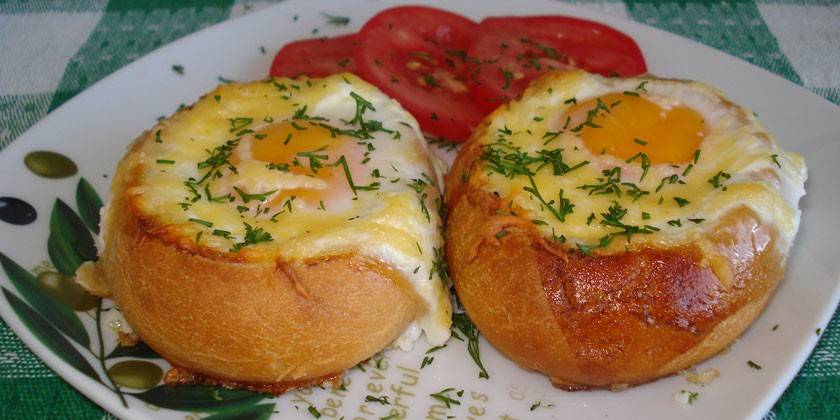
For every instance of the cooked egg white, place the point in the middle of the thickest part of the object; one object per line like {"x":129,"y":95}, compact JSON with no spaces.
{"x":302,"y":169}
{"x":616,"y":164}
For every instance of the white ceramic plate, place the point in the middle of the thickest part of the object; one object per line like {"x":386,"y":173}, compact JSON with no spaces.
{"x":94,"y":128}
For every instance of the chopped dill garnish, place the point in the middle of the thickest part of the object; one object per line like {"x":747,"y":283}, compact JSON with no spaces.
{"x":201,"y":222}
{"x":444,"y":397}
{"x":253,"y":235}
{"x":336,"y":20}
{"x":462,"y":323}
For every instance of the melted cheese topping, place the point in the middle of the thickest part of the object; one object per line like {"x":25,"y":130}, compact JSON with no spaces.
{"x":606,"y":165}
{"x":302,"y":169}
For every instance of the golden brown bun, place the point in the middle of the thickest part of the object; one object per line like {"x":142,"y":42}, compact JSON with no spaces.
{"x":603,"y":320}
{"x":247,"y":322}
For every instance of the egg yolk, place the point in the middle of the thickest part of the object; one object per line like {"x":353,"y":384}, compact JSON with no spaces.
{"x":624,"y":125}
{"x":307,"y":150}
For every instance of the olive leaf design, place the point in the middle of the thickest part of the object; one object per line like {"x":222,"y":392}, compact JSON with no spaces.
{"x":89,"y":204}
{"x":200,"y":398}
{"x":70,"y":244}
{"x":47,"y":308}
{"x":49,"y":336}
{"x":255,"y":412}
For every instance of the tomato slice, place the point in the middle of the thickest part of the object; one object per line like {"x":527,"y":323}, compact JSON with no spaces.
{"x":417,"y":55}
{"x":318,"y":57}
{"x":512,"y":51}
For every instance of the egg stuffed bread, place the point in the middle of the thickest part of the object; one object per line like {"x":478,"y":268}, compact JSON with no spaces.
{"x":608,"y":232}
{"x":276,"y":233}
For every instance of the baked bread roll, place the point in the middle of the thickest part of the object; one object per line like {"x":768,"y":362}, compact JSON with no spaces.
{"x":277,"y":233}
{"x":607,"y":232}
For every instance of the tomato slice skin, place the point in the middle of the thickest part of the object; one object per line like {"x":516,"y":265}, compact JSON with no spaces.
{"x":416,"y":55}
{"x":515,"y":50}
{"x":316,"y":57}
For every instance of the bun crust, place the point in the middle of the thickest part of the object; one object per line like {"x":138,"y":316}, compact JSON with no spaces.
{"x":246,"y":321}
{"x":603,"y":320}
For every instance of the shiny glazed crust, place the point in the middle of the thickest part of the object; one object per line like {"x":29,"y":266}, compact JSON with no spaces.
{"x":603,"y":321}
{"x":259,"y":324}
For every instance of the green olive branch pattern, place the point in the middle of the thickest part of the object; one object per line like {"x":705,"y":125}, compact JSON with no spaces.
{"x":49,"y":304}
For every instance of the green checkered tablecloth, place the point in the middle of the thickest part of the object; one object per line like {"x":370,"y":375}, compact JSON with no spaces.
{"x":50,"y":51}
